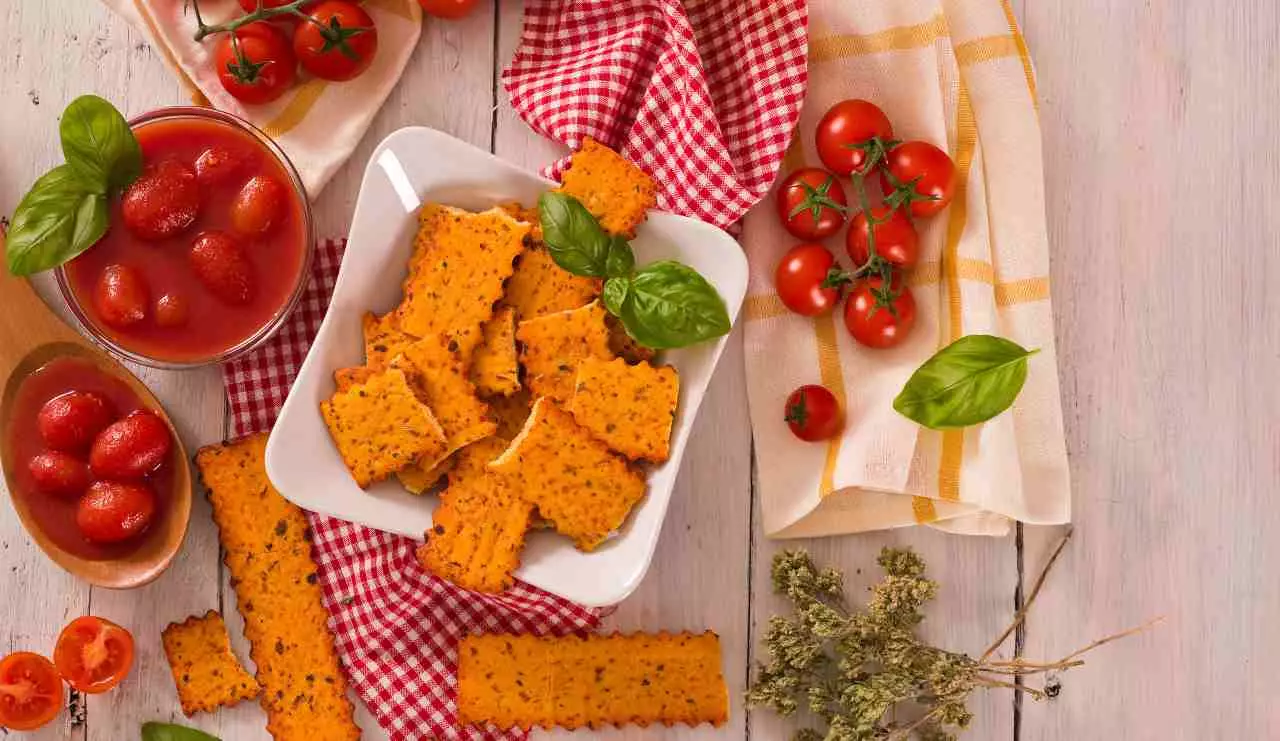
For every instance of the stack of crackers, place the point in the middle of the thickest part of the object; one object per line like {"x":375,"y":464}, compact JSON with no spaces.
{"x":501,"y":382}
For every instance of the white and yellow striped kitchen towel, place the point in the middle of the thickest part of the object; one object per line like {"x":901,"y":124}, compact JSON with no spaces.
{"x":318,"y":123}
{"x":955,"y":73}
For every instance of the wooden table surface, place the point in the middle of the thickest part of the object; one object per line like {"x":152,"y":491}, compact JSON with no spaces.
{"x":1160,"y":126}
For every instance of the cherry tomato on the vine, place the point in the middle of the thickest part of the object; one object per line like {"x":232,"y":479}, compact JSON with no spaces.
{"x":845,"y":131}
{"x":31,"y":691}
{"x":813,"y":413}
{"x":879,"y":315}
{"x":336,"y":41}
{"x":93,"y":654}
{"x":800,"y":277}
{"x":811,"y":203}
{"x":252,"y":5}
{"x":255,"y":63}
{"x":919,"y":176}
{"x":896,"y":239}
{"x":451,"y":9}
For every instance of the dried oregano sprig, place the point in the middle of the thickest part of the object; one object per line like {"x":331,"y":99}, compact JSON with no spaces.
{"x":857,"y":671}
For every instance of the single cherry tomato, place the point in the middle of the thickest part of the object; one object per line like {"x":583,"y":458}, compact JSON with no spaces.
{"x":800,"y":280}
{"x":880,"y":316}
{"x":845,"y":131}
{"x":93,"y":654}
{"x":217,"y":164}
{"x":132,"y":447}
{"x":113,"y":512}
{"x":920,"y":176}
{"x":223,"y":267}
{"x":59,"y":474}
{"x":451,"y":9}
{"x":251,"y":5}
{"x":336,"y":41}
{"x":811,"y":204}
{"x":896,"y":239}
{"x":31,"y":692}
{"x":813,"y":413}
{"x":171,"y":311}
{"x":258,"y":205}
{"x":121,"y":296}
{"x":163,"y":201}
{"x":69,"y":422}
{"x":254,"y":63}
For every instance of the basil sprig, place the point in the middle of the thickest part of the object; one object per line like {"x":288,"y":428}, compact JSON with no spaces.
{"x":65,"y":212}
{"x":663,"y":305}
{"x":169,"y":732}
{"x":967,"y":382}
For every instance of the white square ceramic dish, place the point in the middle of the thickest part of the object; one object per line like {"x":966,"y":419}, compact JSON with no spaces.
{"x":418,"y":165}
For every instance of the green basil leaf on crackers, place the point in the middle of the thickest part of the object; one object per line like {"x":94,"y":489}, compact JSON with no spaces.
{"x":967,"y":382}
{"x":56,"y":220}
{"x":615,"y":294}
{"x":621,"y":262}
{"x":171,"y":732}
{"x":670,"y":305}
{"x":575,"y":239}
{"x":98,"y":144}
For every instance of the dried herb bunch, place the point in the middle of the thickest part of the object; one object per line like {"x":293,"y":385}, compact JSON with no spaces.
{"x":857,"y":671}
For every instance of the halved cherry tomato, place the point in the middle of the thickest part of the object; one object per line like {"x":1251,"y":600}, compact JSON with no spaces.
{"x":113,"y":512}
{"x":452,"y":9}
{"x":31,"y":692}
{"x":164,"y":200}
{"x":70,"y":421}
{"x":132,"y":447}
{"x":171,"y":311}
{"x":59,"y":474}
{"x":93,"y":654}
{"x":255,"y":63}
{"x":800,"y":276}
{"x":121,"y":296}
{"x":845,"y":131}
{"x":813,"y":413}
{"x":220,"y":262}
{"x":258,"y":205}
{"x":896,"y":239}
{"x":811,"y":204}
{"x":880,"y":316}
{"x":336,"y":41}
{"x":919,"y":176}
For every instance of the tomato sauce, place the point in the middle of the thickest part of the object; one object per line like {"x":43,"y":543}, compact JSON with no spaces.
{"x":213,"y":326}
{"x":54,"y":515}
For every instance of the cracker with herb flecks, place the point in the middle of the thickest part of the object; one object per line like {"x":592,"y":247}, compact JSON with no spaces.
{"x":511,"y":412}
{"x":522,"y":681}
{"x":383,"y":340}
{"x":630,"y":408}
{"x":539,"y":286}
{"x":624,"y":345}
{"x":495,"y":366}
{"x":616,"y":192}
{"x":553,"y":345}
{"x":345,"y":378}
{"x":419,"y":479}
{"x":441,"y":379}
{"x":573,"y":479}
{"x":207,"y":674}
{"x":381,"y":427}
{"x":527,"y":214}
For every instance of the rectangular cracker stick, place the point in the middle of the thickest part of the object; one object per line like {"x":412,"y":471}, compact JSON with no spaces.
{"x":630,"y":408}
{"x":553,"y":345}
{"x":208,"y":676}
{"x":522,"y":681}
{"x":495,"y":366}
{"x":616,"y":192}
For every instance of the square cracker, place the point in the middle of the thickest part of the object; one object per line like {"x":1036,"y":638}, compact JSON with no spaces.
{"x":383,"y":340}
{"x":539,"y":286}
{"x":477,"y":532}
{"x":624,"y":345}
{"x":615,"y":191}
{"x":495,"y":367}
{"x":573,"y":479}
{"x":630,"y":408}
{"x":345,"y":378}
{"x":441,"y":379}
{"x":381,"y":427}
{"x":207,"y":674}
{"x":553,"y":345}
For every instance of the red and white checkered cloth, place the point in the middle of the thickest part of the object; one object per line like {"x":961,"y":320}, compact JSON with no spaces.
{"x":702,"y":94}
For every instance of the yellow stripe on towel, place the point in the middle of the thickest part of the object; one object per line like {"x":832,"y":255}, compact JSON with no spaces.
{"x":985,"y":49}
{"x":304,"y":99}
{"x":899,"y":38}
{"x":1023,"y":53}
{"x":832,"y":376}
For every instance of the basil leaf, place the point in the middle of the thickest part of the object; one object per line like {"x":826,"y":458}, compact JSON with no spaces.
{"x":98,"y":144}
{"x":615,"y":294}
{"x":967,"y":382}
{"x":670,"y":305}
{"x":169,"y":732}
{"x":573,"y":236}
{"x":621,"y":262}
{"x":57,"y":219}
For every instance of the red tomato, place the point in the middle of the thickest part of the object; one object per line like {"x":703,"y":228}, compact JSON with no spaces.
{"x":218,"y":165}
{"x":30,"y":691}
{"x":452,"y":9}
{"x":171,"y":310}
{"x":813,"y":413}
{"x":113,"y":512}
{"x":60,"y":474}
{"x":223,"y":267}
{"x":164,"y":200}
{"x":336,"y":41}
{"x":93,"y":654}
{"x":880,"y":316}
{"x":799,"y":280}
{"x":132,"y":447}
{"x":255,"y":63}
{"x":258,"y":205}
{"x":923,"y":176}
{"x":251,"y":5}
{"x":811,"y":203}
{"x":70,"y":421}
{"x":896,"y":239}
{"x":844,"y":132}
{"x":121,"y":296}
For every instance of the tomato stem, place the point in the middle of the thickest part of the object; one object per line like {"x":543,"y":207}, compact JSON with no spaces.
{"x":262,"y":13}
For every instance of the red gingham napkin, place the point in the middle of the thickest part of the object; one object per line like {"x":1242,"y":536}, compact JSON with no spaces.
{"x":396,"y":626}
{"x":702,"y":95}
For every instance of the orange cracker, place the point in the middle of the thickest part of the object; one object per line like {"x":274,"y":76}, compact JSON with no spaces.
{"x":443,"y":382}
{"x":539,"y":286}
{"x":382,"y":340}
{"x":495,"y":367}
{"x":459,"y":266}
{"x":529,"y":215}
{"x":268,"y":552}
{"x":511,"y":413}
{"x":345,"y":378}
{"x":615,"y":191}
{"x":477,"y":532}
{"x":553,"y":345}
{"x":522,"y":681}
{"x":381,"y":427}
{"x":624,"y":345}
{"x":207,"y":674}
{"x":628,"y":407}
{"x":419,"y":479}
{"x":573,"y":479}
